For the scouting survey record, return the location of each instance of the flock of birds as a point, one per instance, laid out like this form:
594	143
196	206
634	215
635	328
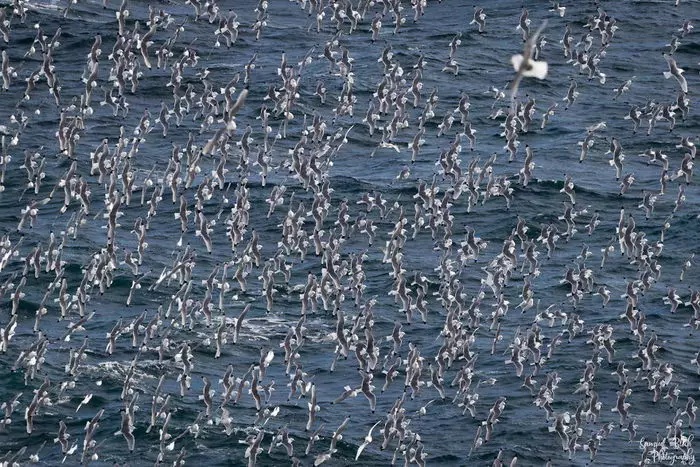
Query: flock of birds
227	239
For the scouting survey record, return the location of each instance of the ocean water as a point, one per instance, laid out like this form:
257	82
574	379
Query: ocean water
351	163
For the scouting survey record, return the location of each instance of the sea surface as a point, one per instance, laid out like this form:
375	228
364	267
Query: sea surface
64	261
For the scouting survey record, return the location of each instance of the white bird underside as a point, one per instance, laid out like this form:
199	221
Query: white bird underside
533	69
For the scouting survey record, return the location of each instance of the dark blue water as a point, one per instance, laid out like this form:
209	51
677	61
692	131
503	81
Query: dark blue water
97	286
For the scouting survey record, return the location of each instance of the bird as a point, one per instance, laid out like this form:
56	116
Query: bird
524	65
479	19
676	72
126	430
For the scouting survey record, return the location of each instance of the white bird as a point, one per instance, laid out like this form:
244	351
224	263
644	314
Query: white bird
367	441
479	18
624	88
529	68
126	429
675	72
525	66
556	8
85	400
